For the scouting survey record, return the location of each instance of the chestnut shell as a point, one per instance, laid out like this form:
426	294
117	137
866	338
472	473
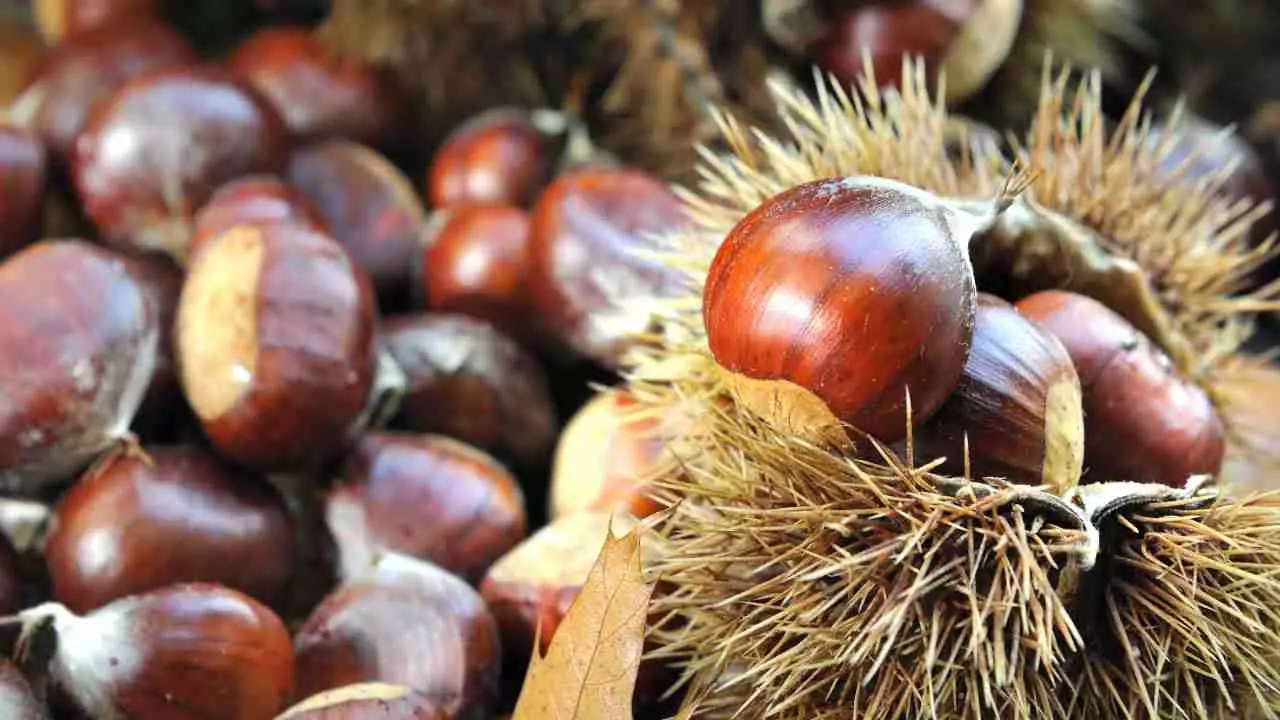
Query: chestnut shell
496	157
250	200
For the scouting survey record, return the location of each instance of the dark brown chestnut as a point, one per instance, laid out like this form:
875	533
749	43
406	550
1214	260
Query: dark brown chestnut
466	380
24	177
80	344
425	496
604	455
367	701
145	519
250	200
369	206
163	408
16	697
404	622
156	150
497	157
60	19
588	270
1144	422
275	344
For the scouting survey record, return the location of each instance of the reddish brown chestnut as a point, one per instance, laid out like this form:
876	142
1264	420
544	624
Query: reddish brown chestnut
16	697
184	652
367	701
60	19
835	299
604	455
163	408
153	153
275	344
1144	422
24	177
250	200
369	206
404	622
427	497
469	381
588	271
142	520
497	157
80	344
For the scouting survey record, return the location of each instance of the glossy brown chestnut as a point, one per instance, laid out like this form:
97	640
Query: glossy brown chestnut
79	341
163	408
367	701
16	697
142	520
24	177
250	200
1016	410
854	291
184	652
469	381
78	74
319	94
156	150
603	457
1144	422
588	271
404	622
59	19
275	345
369	206
496	158
427	497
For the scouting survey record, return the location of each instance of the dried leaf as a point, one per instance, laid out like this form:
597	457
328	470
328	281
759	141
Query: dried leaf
589	671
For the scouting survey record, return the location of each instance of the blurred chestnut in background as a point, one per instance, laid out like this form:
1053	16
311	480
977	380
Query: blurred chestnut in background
427	497
24	177
163	407
275	345
80	343
1144	422
186	652
588	272
21	48
369	207
79	73
469	381
404	622
603	458
158	148
16	697
497	157
367	701
59	19
148	518
250	200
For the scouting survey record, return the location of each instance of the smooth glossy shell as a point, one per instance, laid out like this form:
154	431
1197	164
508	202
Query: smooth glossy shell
497	157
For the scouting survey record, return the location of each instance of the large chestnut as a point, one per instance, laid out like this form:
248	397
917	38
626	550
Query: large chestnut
156	150
425	496
24	177
404	622
1144	422
469	381
164	515
164	409
589	272
60	19
367	701
275	344
250	200
16	697
369	206
605	454
184	652
497	157
80	343
835	299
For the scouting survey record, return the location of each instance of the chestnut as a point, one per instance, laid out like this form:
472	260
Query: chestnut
250	200
16	697
604	455
466	380
81	72
369	206
275	344
24	177
404	622
427	497
80	342
187	652
60	19
1144	422
366	701
156	150
163	407
588	270
497	157
159	516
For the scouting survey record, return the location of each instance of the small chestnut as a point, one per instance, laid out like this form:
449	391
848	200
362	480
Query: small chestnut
148	518
588	270
404	622
466	380
16	698
603	457
250	200
163	408
80	343
59	19
1144	422
156	150
183	652
497	157
367	701
24	177
275	345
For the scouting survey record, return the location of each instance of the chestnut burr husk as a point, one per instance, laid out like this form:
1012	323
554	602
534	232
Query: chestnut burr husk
468	381
164	411
369	207
24	177
196	651
404	622
1144	422
367	701
498	157
275	344
62	19
80	343
146	519
16	696
250	200
603	458
158	148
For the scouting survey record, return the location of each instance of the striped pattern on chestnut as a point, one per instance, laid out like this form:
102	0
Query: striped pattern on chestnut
852	292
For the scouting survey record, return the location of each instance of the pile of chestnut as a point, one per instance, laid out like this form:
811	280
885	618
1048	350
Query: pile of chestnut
276	425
